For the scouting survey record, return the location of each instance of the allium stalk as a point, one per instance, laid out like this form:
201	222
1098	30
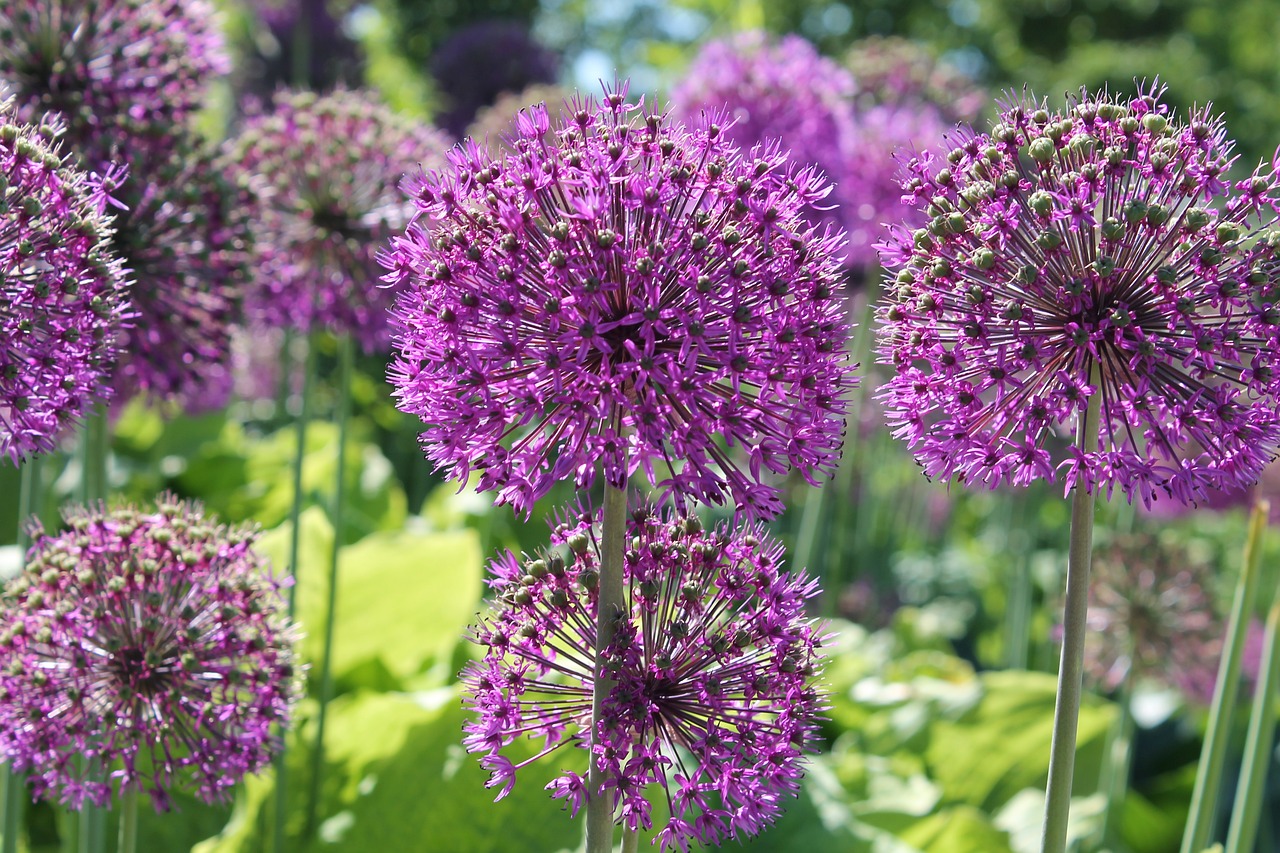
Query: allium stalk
143	651
631	295
709	702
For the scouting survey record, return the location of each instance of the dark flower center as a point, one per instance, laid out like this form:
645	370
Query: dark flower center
142	671
334	221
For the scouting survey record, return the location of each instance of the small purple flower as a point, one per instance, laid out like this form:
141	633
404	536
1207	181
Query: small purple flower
327	170
1100	250
625	297
143	651
481	61
711	668
184	236
111	67
63	297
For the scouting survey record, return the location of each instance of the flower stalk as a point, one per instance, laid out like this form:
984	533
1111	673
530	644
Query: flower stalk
1258	745
128	822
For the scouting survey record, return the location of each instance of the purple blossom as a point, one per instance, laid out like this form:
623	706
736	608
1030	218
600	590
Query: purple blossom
111	67
327	170
481	61
63	297
143	651
1100	250
781	90
623	297
710	667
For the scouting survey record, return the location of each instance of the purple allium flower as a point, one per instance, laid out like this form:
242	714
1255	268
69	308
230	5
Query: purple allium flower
710	667
328	170
150	646
63	297
1101	250
184	235
111	67
625	297
482	60
892	71
780	90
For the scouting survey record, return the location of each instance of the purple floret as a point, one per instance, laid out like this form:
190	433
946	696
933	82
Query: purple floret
1099	250
632	295
327	170
143	651
63	296
712	669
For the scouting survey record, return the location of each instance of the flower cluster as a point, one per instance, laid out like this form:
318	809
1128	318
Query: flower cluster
1099	254
143	651
184	235
625	297
327	170
110	67
709	669
63	297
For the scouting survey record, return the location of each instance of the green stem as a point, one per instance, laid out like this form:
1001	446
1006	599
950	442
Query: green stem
1204	796
128	822
346	367
630	840
94	448
1257	752
1118	757
610	608
295	544
1066	714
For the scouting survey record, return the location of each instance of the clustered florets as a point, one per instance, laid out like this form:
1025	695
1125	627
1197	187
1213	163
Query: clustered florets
327	170
63	297
1097	252
710	669
143	651
625	297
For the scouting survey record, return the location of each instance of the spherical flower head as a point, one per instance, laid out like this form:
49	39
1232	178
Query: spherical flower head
327	170
625	298
893	71
711	670
777	90
184	234
63	296
481	61
1097	253
143	651
110	67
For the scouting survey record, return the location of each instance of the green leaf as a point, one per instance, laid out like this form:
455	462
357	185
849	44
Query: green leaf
962	829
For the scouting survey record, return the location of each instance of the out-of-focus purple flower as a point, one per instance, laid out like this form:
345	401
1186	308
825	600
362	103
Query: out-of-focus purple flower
1100	250
783	91
327	170
63	297
892	71
627	297
481	61
306	31
111	67
495	125
711	671
184	235
143	651
1198	678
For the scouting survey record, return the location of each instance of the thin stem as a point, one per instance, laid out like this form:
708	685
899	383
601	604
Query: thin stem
630	840
128	822
1261	738
1066	714
94	447
1118	756
610	607
1204	796
346	367
295	542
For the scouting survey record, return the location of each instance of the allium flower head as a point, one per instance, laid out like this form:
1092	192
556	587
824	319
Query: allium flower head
143	651
328	170
184	234
623	297
63	297
1099	250
711	667
781	90
111	67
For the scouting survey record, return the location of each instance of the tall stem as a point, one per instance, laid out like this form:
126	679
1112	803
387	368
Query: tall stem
307	360
630	841
1066	714
610	605
346	366
128	822
94	448
1117	759
1257	752
1204	796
